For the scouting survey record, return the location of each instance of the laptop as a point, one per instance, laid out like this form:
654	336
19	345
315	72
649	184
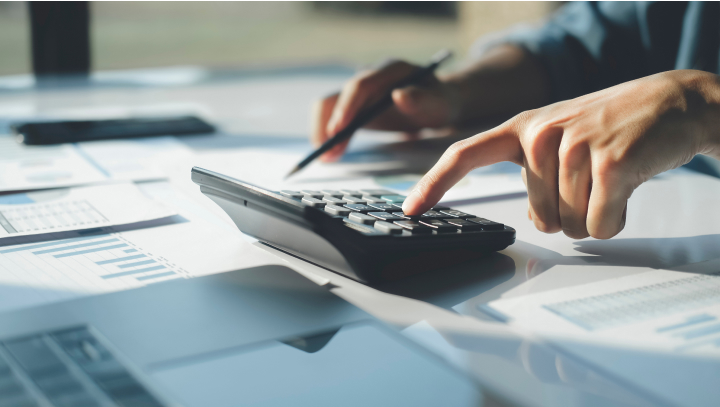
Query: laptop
264	336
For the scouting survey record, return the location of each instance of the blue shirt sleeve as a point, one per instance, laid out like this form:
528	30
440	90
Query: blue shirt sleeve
588	46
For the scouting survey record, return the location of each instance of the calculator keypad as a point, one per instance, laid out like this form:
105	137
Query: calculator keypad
385	216
383	207
362	218
388	227
382	211
414	226
337	210
334	200
360	208
314	202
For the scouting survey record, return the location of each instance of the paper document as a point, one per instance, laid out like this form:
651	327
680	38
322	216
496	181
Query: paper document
78	208
37	167
112	259
267	168
667	310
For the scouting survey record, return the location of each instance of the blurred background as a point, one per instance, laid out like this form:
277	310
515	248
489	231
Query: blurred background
127	35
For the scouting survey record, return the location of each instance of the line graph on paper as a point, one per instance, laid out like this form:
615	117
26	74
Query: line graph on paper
92	263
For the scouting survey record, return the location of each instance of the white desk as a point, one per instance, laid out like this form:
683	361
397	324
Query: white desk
673	222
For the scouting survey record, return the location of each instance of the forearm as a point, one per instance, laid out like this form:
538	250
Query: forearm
506	81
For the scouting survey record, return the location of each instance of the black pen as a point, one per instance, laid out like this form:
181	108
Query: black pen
373	111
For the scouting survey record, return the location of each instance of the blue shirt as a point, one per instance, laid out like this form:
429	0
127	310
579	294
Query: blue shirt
591	46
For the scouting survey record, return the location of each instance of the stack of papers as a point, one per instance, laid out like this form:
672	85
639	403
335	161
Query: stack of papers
38	167
81	227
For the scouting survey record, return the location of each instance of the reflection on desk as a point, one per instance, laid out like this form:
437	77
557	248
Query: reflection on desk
680	234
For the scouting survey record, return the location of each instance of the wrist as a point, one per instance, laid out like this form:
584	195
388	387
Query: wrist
702	94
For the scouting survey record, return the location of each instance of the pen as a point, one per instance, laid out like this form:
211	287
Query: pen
373	111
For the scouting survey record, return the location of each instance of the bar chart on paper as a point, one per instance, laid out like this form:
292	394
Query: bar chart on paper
641	303
86	264
674	311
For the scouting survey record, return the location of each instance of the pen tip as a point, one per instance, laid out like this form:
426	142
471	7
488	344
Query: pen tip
294	170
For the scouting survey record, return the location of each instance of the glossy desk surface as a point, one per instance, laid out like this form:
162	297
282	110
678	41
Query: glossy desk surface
673	223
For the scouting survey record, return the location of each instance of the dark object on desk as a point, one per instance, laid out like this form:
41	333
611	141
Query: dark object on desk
41	133
370	243
60	34
373	111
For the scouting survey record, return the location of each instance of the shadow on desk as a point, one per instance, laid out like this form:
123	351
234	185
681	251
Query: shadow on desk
694	254
454	285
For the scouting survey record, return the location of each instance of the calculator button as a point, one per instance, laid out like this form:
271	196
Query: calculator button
333	200
332	192
337	210
362	218
314	202
360	208
439	208
487	224
397	205
457	214
353	199
376	192
393	198
292	194
414	226
401	215
312	194
385	216
383	207
439	225
464	225
388	227
372	199
434	215
351	192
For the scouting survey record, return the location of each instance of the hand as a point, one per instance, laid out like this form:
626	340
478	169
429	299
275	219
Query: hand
583	158
415	107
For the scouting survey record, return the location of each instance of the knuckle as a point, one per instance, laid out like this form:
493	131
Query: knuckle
606	170
573	152
456	148
523	119
537	139
457	153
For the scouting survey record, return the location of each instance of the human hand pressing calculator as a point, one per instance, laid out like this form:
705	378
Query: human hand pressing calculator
362	234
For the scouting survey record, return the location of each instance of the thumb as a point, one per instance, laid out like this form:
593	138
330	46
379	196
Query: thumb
428	106
492	146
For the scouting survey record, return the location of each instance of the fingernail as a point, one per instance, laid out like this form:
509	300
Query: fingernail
412	202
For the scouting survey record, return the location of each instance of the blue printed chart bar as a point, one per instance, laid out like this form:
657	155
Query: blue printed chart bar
660	309
113	259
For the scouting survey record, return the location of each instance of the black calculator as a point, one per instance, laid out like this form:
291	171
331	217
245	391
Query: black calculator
362	234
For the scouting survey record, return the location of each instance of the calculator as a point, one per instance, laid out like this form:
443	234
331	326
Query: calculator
362	234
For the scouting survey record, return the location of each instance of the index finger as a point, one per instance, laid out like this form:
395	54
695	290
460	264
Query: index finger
499	144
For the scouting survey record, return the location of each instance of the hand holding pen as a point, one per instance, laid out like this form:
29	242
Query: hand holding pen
396	97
